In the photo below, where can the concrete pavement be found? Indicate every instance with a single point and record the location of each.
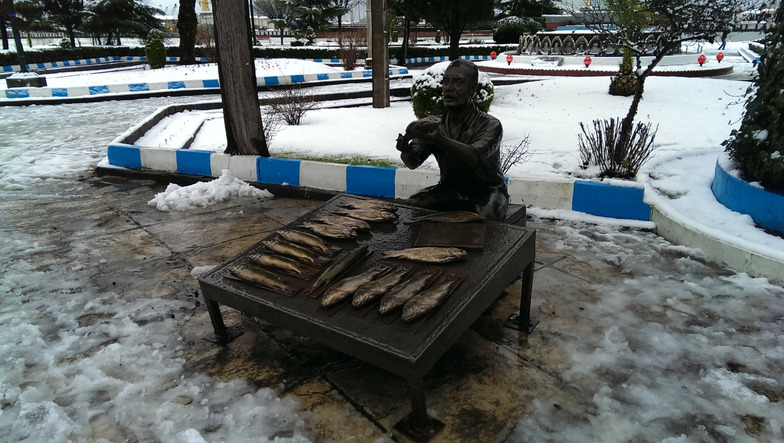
(492, 380)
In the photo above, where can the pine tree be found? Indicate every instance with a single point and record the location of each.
(758, 146)
(154, 50)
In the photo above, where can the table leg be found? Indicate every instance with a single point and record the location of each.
(217, 321)
(522, 320)
(418, 426)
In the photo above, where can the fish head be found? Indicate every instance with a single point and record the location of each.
(457, 252)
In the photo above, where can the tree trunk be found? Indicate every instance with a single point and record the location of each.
(340, 31)
(186, 25)
(71, 35)
(454, 44)
(406, 36)
(380, 54)
(237, 76)
(627, 124)
(8, 7)
(3, 31)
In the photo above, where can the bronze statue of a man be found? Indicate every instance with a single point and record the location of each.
(466, 142)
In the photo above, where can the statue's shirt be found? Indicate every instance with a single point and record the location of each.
(483, 133)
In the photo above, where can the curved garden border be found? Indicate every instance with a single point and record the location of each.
(765, 208)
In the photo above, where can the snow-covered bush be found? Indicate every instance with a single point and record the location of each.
(625, 81)
(509, 29)
(154, 49)
(426, 91)
(758, 146)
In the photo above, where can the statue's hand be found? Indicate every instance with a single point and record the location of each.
(402, 143)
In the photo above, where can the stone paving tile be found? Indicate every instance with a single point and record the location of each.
(481, 389)
(111, 251)
(334, 419)
(162, 278)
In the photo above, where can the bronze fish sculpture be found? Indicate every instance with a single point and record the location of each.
(340, 264)
(400, 294)
(448, 217)
(374, 289)
(369, 215)
(428, 254)
(345, 288)
(343, 221)
(305, 239)
(292, 250)
(369, 204)
(282, 263)
(331, 231)
(263, 278)
(427, 300)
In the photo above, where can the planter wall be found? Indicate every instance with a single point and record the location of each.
(764, 207)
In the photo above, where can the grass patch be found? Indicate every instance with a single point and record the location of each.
(354, 160)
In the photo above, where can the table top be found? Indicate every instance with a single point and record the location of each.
(405, 348)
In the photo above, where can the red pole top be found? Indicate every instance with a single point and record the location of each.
(701, 59)
(587, 61)
(720, 56)
(509, 59)
(493, 55)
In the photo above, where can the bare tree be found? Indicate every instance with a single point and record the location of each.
(663, 24)
(281, 12)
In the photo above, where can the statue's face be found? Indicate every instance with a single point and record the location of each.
(457, 87)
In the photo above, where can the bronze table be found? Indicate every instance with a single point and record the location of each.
(405, 349)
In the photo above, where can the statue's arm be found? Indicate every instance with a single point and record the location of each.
(486, 137)
(412, 151)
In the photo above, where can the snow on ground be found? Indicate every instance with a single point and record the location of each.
(693, 116)
(63, 376)
(173, 72)
(130, 368)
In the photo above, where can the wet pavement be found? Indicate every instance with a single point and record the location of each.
(494, 384)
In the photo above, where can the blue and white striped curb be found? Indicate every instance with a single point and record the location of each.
(593, 198)
(87, 61)
(607, 199)
(100, 60)
(81, 91)
(442, 58)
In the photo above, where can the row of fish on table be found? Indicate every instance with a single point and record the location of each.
(304, 255)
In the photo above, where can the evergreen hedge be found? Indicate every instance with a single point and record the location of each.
(154, 50)
(758, 146)
(89, 52)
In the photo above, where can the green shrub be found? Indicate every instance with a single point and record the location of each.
(426, 91)
(65, 43)
(154, 50)
(510, 29)
(625, 81)
(758, 146)
(66, 54)
(756, 48)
